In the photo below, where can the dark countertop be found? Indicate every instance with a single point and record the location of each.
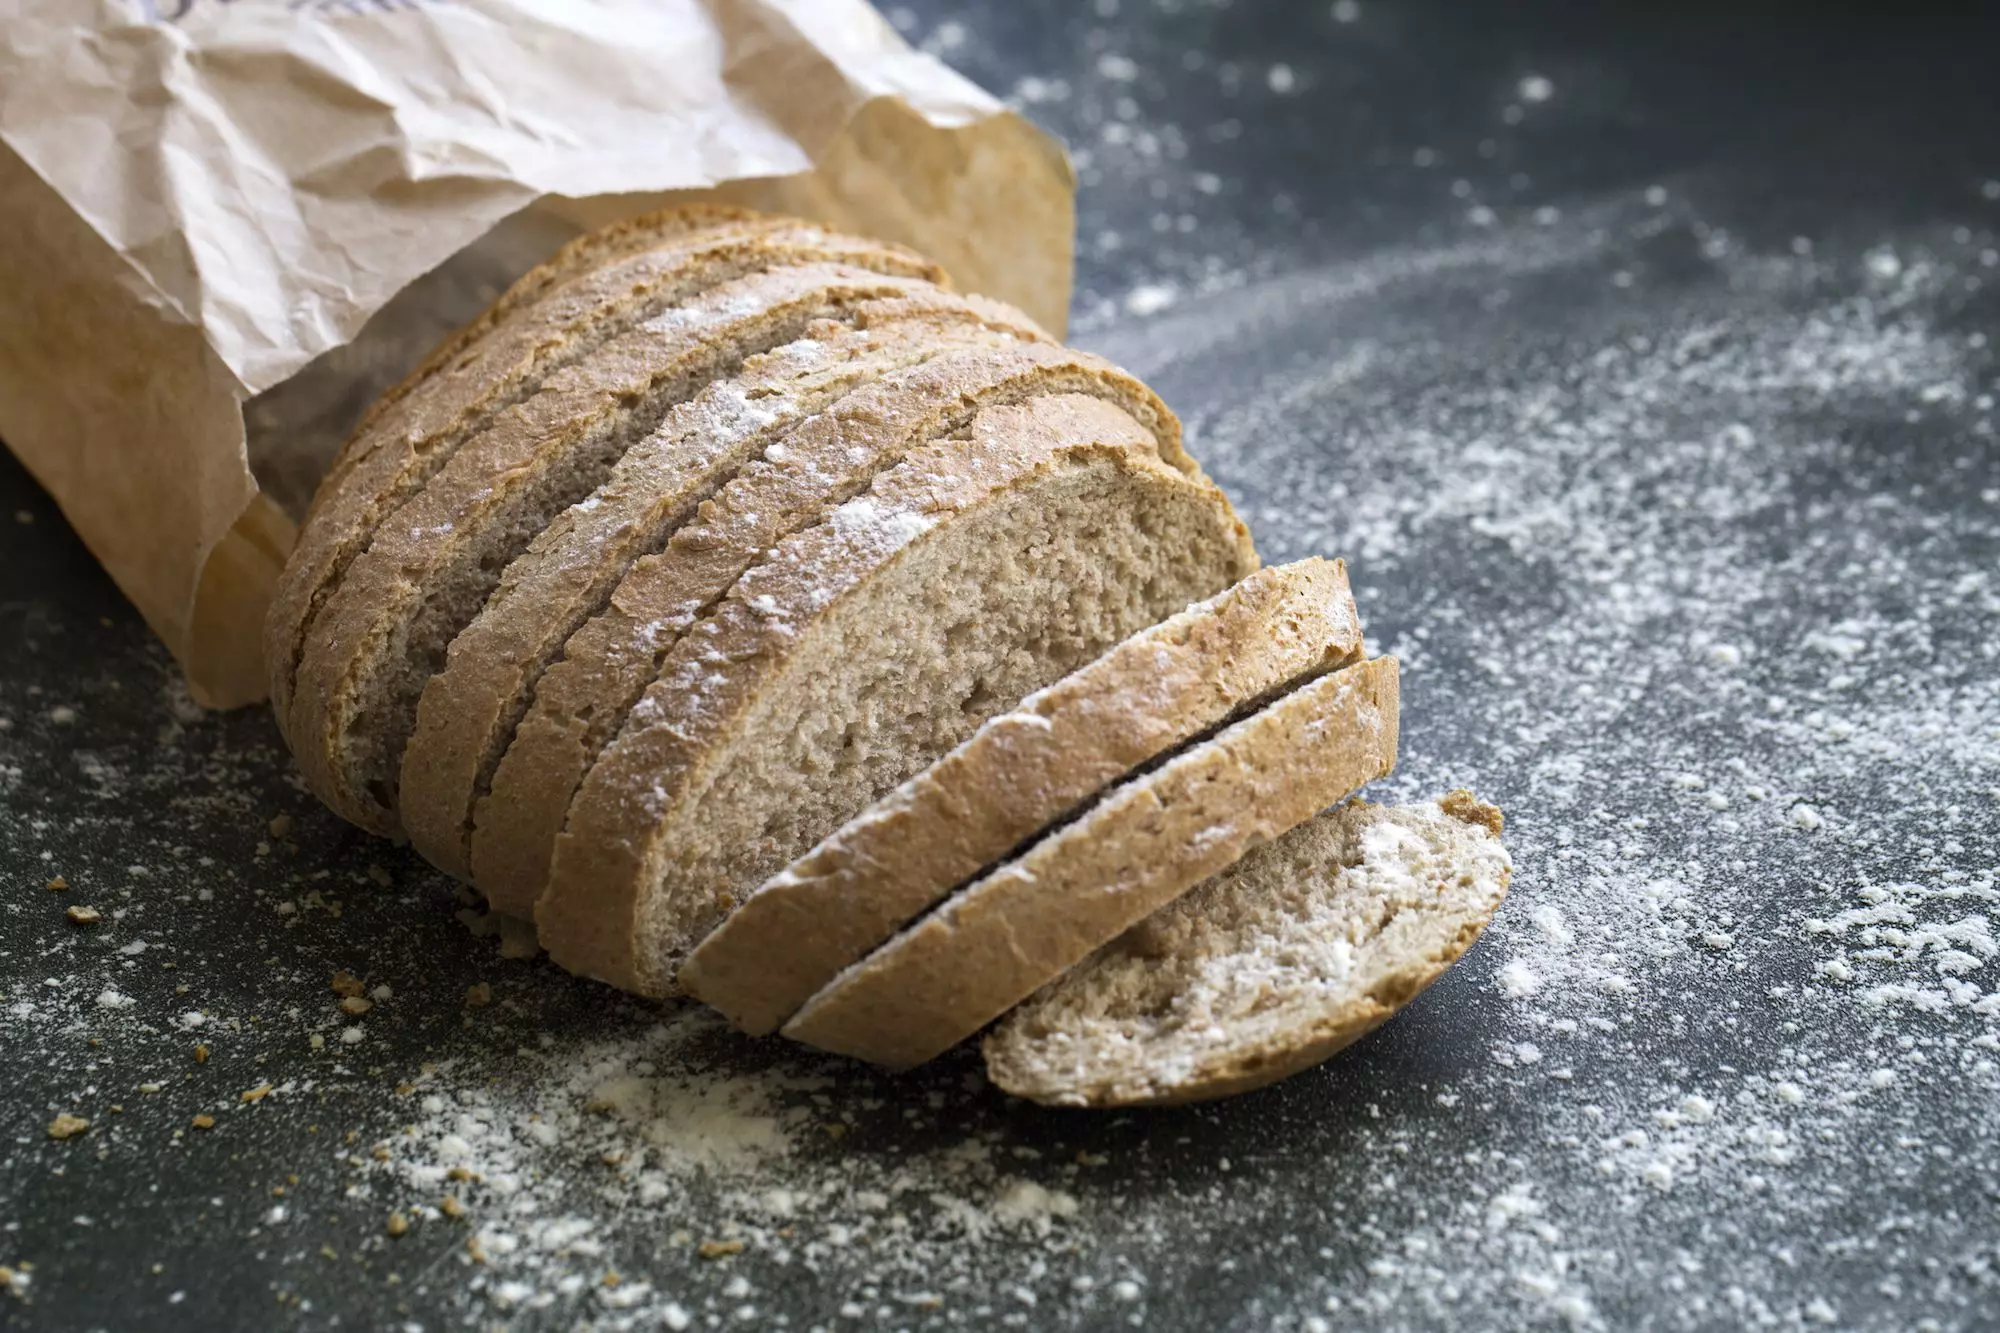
(1638, 358)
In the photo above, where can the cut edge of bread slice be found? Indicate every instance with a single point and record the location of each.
(975, 572)
(468, 712)
(609, 663)
(1022, 770)
(1140, 846)
(1299, 949)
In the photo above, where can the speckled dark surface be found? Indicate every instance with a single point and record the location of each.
(1759, 122)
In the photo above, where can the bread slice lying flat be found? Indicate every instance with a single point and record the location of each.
(604, 292)
(430, 567)
(1295, 951)
(1142, 845)
(606, 666)
(468, 712)
(974, 572)
(1019, 772)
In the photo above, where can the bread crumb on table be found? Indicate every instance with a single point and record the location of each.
(203, 1121)
(83, 916)
(718, 1249)
(67, 1126)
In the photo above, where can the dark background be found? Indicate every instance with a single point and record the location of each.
(1794, 147)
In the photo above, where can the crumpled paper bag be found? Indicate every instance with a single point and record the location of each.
(230, 223)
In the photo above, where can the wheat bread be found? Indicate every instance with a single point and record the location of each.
(592, 249)
(430, 567)
(581, 700)
(381, 467)
(1300, 948)
(1146, 842)
(1021, 771)
(468, 711)
(973, 573)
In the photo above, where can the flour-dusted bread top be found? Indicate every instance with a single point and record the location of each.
(1142, 845)
(1019, 772)
(1268, 968)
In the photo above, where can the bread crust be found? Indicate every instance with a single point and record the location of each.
(608, 663)
(359, 638)
(404, 444)
(593, 249)
(1148, 841)
(1018, 773)
(468, 712)
(608, 894)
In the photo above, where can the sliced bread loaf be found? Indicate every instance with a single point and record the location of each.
(1268, 968)
(468, 712)
(1018, 773)
(973, 573)
(383, 466)
(1146, 842)
(428, 570)
(581, 700)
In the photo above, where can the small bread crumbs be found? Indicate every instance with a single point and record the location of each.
(479, 994)
(718, 1249)
(200, 1054)
(256, 1094)
(611, 1279)
(355, 1004)
(58, 884)
(149, 1088)
(451, 1208)
(67, 1126)
(475, 1249)
(405, 1089)
(398, 1225)
(380, 1152)
(204, 1122)
(84, 916)
(460, 1173)
(281, 826)
(346, 983)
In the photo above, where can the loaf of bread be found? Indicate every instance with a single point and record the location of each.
(755, 614)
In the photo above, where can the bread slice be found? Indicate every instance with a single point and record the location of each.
(1148, 841)
(408, 442)
(468, 712)
(1018, 773)
(608, 664)
(593, 249)
(1268, 968)
(430, 568)
(975, 572)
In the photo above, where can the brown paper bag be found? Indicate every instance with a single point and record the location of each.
(231, 224)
